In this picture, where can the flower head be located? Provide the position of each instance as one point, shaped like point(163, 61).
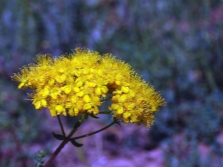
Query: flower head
point(76, 83)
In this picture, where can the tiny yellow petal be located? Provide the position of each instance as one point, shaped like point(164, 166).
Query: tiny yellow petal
point(123, 98)
point(37, 105)
point(85, 71)
point(51, 82)
point(76, 111)
point(67, 89)
point(115, 99)
point(44, 103)
point(86, 98)
point(45, 92)
point(21, 85)
point(71, 112)
point(125, 89)
point(61, 70)
point(114, 107)
point(74, 99)
point(76, 89)
point(53, 95)
point(120, 110)
point(129, 106)
point(117, 82)
point(70, 80)
point(87, 106)
point(68, 105)
point(154, 108)
point(79, 84)
point(126, 115)
point(59, 108)
point(52, 112)
point(91, 84)
point(104, 89)
point(61, 78)
point(80, 94)
point(118, 92)
point(98, 91)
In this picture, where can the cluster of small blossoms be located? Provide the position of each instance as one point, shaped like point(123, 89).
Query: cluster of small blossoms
point(77, 83)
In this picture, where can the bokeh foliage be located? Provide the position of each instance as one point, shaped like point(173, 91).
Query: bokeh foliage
point(176, 45)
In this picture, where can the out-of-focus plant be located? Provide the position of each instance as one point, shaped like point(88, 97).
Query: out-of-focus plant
point(39, 159)
point(12, 140)
point(77, 84)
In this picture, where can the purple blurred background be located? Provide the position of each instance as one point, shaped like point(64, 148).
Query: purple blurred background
point(175, 45)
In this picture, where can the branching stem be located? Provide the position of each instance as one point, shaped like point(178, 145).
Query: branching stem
point(66, 140)
point(61, 126)
point(69, 137)
point(92, 133)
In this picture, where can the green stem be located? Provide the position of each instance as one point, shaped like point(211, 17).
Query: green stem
point(61, 126)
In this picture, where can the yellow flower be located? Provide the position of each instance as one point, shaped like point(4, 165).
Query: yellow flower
point(77, 83)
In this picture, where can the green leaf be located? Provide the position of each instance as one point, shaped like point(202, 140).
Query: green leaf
point(58, 136)
point(76, 143)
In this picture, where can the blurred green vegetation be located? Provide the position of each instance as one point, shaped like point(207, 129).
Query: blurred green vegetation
point(175, 45)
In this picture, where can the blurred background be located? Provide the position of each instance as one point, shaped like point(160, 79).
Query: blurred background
point(175, 45)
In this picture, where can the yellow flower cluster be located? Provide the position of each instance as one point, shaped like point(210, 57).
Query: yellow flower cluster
point(77, 83)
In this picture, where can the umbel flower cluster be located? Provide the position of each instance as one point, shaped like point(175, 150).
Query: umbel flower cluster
point(78, 83)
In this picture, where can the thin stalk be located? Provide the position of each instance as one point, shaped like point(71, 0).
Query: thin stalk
point(66, 140)
point(56, 152)
point(61, 125)
point(77, 125)
point(105, 112)
point(92, 133)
